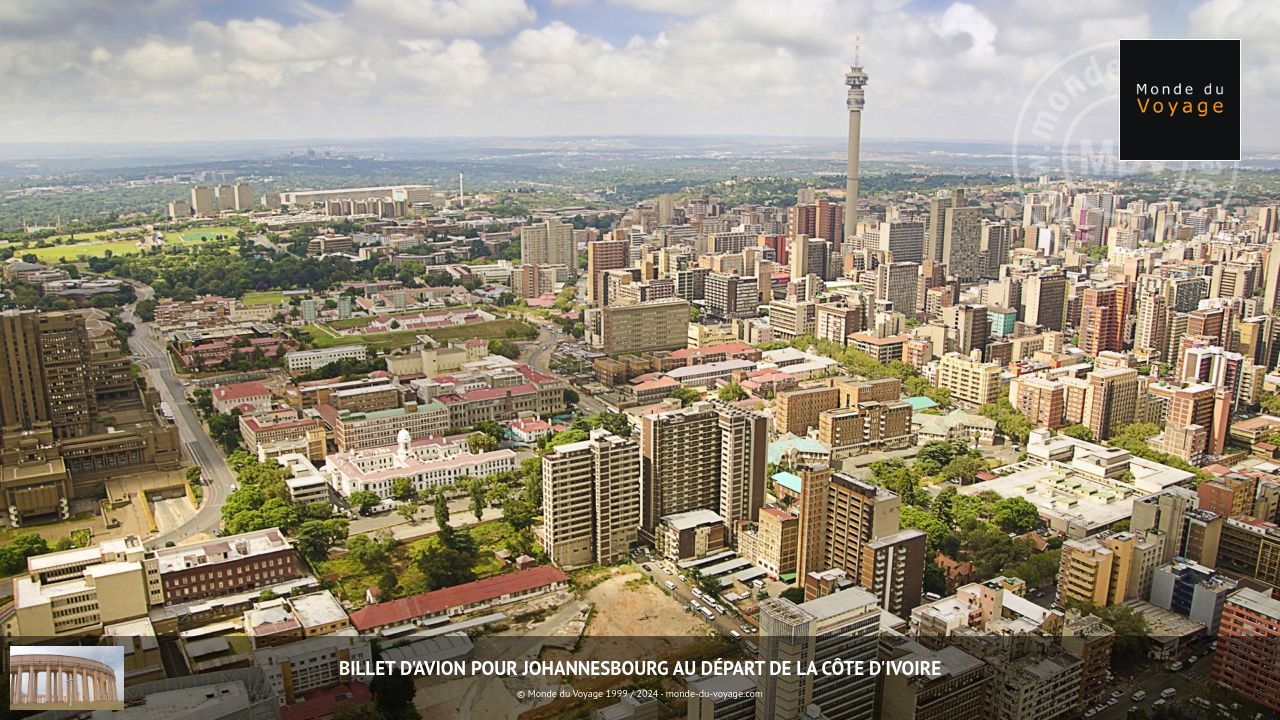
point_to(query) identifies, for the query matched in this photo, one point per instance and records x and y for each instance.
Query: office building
(591, 500)
(730, 296)
(429, 463)
(820, 219)
(44, 364)
(968, 327)
(81, 591)
(1193, 590)
(935, 233)
(299, 361)
(358, 430)
(959, 692)
(531, 281)
(961, 243)
(1044, 298)
(1250, 546)
(895, 574)
(796, 411)
(903, 240)
(841, 626)
(1101, 321)
(898, 282)
(644, 327)
(227, 565)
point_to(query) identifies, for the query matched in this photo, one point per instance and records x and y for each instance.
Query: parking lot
(724, 620)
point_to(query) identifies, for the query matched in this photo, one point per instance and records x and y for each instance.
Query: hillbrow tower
(856, 79)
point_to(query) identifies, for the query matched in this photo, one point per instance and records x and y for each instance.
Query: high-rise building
(644, 327)
(903, 240)
(856, 80)
(936, 231)
(1044, 298)
(604, 255)
(243, 197)
(1245, 660)
(202, 201)
(796, 411)
(548, 243)
(896, 571)
(841, 626)
(730, 296)
(866, 426)
(1040, 400)
(1106, 569)
(44, 371)
(591, 500)
(969, 326)
(1101, 321)
(820, 219)
(959, 692)
(225, 196)
(709, 456)
(1111, 400)
(898, 282)
(995, 247)
(962, 243)
(744, 442)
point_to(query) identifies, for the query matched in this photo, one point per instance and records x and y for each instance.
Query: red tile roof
(321, 703)
(439, 601)
(239, 391)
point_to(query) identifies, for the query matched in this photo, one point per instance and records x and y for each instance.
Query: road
(198, 447)
(539, 358)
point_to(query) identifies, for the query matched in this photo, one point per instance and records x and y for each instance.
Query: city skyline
(434, 68)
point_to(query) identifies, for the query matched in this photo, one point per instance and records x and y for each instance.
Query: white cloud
(446, 18)
(164, 69)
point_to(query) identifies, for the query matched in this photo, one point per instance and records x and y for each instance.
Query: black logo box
(1185, 65)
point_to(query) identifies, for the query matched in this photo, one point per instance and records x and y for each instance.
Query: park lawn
(488, 330)
(269, 297)
(89, 250)
(199, 235)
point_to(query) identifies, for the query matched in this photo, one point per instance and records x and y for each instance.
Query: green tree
(408, 511)
(314, 538)
(518, 513)
(447, 562)
(440, 510)
(1016, 514)
(402, 489)
(504, 347)
(731, 392)
(365, 500)
(1078, 431)
(193, 474)
(481, 443)
(794, 594)
(1270, 403)
(371, 552)
(963, 469)
(490, 428)
(13, 556)
(934, 529)
(686, 395)
(476, 489)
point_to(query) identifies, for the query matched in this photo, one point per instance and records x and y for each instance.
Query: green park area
(352, 577)
(269, 297)
(323, 336)
(55, 253)
(199, 235)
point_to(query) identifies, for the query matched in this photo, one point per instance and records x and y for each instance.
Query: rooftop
(220, 550)
(458, 596)
(691, 519)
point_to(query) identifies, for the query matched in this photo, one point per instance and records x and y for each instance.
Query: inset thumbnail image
(66, 677)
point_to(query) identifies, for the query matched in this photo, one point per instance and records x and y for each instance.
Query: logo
(1180, 99)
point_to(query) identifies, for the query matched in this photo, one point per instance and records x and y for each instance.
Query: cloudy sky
(99, 70)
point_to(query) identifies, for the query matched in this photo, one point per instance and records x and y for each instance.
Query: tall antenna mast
(857, 49)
